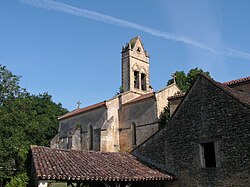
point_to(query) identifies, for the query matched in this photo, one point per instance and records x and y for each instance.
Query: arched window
(90, 137)
(136, 79)
(133, 134)
(143, 82)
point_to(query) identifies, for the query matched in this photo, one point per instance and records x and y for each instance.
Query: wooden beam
(69, 183)
(129, 184)
(116, 184)
(106, 184)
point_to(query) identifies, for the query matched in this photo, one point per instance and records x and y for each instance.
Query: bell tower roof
(135, 44)
(135, 67)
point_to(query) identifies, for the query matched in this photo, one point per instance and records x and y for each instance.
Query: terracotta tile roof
(237, 81)
(59, 164)
(141, 98)
(82, 110)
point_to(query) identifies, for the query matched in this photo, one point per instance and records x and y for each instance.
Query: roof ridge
(242, 97)
(82, 110)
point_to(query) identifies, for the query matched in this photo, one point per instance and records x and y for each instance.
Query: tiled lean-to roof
(82, 110)
(237, 81)
(141, 98)
(59, 164)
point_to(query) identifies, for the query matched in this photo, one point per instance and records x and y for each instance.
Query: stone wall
(144, 115)
(68, 126)
(162, 97)
(207, 114)
(110, 130)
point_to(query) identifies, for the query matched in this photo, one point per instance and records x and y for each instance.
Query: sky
(72, 49)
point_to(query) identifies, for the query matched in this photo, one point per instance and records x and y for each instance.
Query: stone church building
(205, 143)
(124, 121)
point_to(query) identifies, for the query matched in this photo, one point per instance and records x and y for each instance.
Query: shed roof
(59, 164)
(141, 98)
(237, 81)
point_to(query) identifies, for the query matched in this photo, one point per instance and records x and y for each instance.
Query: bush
(20, 180)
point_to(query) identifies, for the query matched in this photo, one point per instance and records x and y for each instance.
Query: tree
(184, 81)
(20, 180)
(9, 84)
(25, 120)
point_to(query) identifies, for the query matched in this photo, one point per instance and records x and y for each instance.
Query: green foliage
(164, 116)
(78, 125)
(30, 120)
(184, 81)
(121, 89)
(20, 180)
(9, 84)
(25, 120)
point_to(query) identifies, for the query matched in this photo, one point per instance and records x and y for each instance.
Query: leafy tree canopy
(184, 81)
(25, 120)
(9, 84)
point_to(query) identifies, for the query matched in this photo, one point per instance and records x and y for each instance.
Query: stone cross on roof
(174, 77)
(78, 104)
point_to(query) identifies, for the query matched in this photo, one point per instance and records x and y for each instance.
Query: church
(124, 121)
(118, 143)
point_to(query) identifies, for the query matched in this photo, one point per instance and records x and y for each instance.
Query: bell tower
(135, 67)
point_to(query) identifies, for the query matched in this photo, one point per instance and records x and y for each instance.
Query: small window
(133, 134)
(90, 137)
(138, 50)
(208, 157)
(136, 79)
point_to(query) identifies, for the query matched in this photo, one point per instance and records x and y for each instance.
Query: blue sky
(72, 49)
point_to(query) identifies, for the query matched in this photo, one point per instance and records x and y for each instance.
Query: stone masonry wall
(207, 114)
(144, 115)
(162, 97)
(95, 117)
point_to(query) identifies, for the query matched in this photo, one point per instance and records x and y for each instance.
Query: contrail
(237, 54)
(61, 7)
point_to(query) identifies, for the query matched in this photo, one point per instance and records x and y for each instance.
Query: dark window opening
(209, 154)
(136, 79)
(90, 136)
(143, 82)
(133, 134)
(138, 49)
(69, 145)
